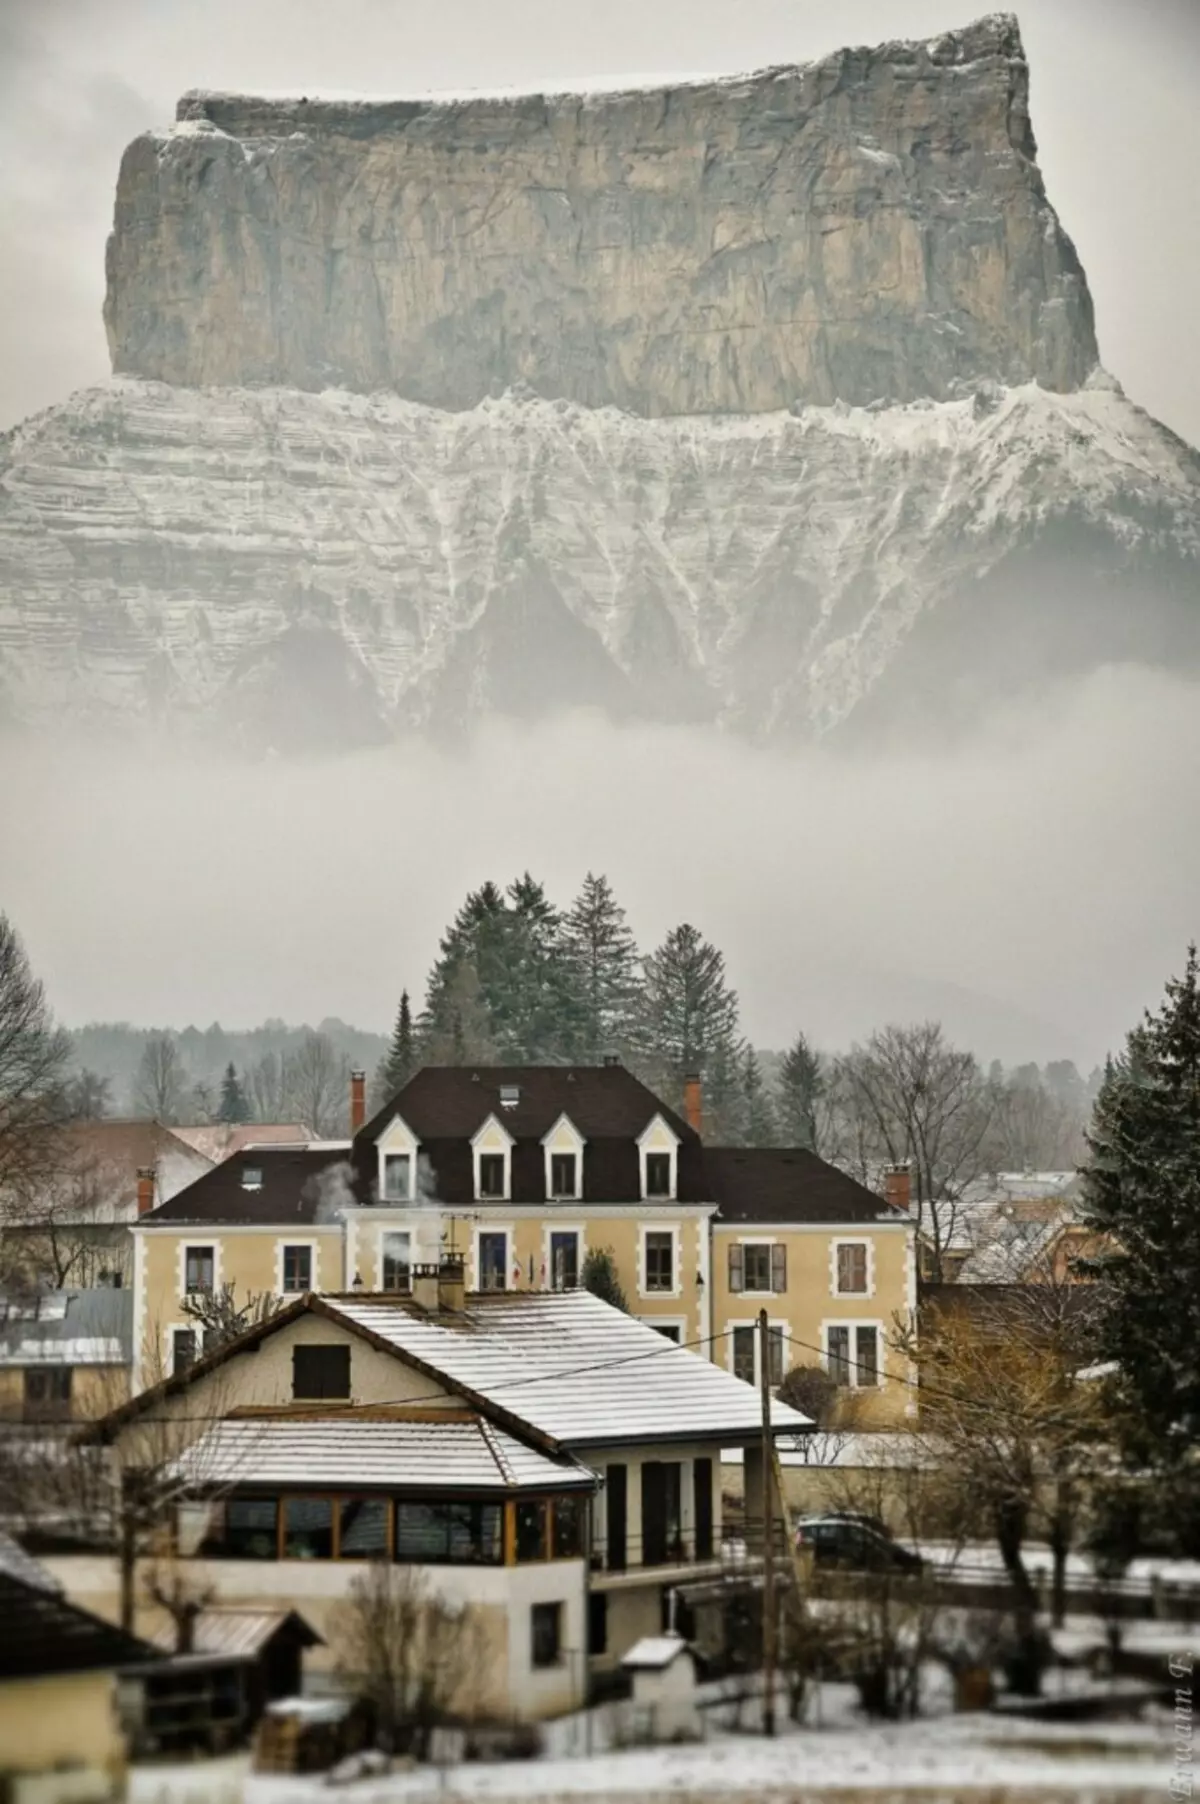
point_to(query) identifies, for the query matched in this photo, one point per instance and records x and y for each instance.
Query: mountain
(772, 402)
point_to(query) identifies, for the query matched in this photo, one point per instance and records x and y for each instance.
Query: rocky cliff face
(297, 570)
(873, 226)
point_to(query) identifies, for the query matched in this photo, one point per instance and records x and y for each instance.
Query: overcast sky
(1116, 108)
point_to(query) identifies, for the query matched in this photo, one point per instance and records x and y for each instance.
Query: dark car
(857, 1542)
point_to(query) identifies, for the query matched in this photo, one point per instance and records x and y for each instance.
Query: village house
(523, 1172)
(537, 1457)
(65, 1358)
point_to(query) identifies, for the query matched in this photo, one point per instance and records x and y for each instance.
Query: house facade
(538, 1459)
(65, 1358)
(522, 1173)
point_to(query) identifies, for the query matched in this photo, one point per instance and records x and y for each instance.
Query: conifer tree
(801, 1086)
(1142, 1190)
(233, 1106)
(599, 1275)
(401, 1059)
(603, 957)
(692, 1025)
(758, 1123)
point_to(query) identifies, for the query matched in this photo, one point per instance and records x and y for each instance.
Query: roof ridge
(502, 1465)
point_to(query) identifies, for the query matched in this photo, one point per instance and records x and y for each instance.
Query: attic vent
(251, 1177)
(610, 1058)
(510, 1095)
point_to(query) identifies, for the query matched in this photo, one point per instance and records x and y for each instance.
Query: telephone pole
(768, 1493)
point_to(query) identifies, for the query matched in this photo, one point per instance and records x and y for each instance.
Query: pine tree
(1142, 1190)
(401, 1061)
(758, 1124)
(599, 1275)
(801, 1086)
(603, 957)
(692, 1025)
(233, 1106)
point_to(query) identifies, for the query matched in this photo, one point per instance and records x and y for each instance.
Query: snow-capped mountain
(298, 568)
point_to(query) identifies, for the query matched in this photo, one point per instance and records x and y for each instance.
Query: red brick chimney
(693, 1106)
(897, 1187)
(358, 1100)
(145, 1189)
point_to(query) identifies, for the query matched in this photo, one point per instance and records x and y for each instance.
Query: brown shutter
(736, 1267)
(778, 1268)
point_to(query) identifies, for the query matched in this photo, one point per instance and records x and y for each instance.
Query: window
(743, 1354)
(397, 1177)
(660, 1260)
(442, 1534)
(662, 1512)
(668, 1330)
(837, 1344)
(851, 1268)
(776, 1362)
(308, 1528)
(241, 1528)
(597, 1622)
(320, 1372)
(47, 1392)
(546, 1622)
(564, 1260)
(867, 1353)
(297, 1268)
(199, 1268)
(658, 1174)
(562, 1174)
(761, 1266)
(183, 1349)
(531, 1530)
(702, 1508)
(569, 1517)
(362, 1529)
(395, 1254)
(493, 1262)
(251, 1177)
(491, 1174)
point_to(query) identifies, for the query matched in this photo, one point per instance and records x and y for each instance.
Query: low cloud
(1033, 890)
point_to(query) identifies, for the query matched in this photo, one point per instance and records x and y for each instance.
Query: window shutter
(778, 1268)
(736, 1268)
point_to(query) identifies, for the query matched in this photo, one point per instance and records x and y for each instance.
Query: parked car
(857, 1542)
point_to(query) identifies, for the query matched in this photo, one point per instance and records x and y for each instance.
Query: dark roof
(450, 1102)
(43, 1633)
(74, 1327)
(290, 1193)
(788, 1184)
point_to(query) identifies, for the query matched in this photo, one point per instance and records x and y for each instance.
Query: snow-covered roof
(226, 1629)
(574, 1368)
(653, 1652)
(68, 1327)
(420, 1451)
(18, 1564)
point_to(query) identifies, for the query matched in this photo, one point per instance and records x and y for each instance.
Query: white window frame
(659, 1322)
(551, 1228)
(387, 1197)
(171, 1329)
(200, 1243)
(852, 1240)
(564, 1138)
(780, 1324)
(854, 1323)
(314, 1264)
(509, 1232)
(397, 1137)
(674, 1229)
(490, 1129)
(391, 1228)
(754, 1241)
(657, 1137)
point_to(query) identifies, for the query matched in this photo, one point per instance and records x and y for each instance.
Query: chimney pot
(897, 1187)
(358, 1100)
(452, 1283)
(145, 1189)
(693, 1102)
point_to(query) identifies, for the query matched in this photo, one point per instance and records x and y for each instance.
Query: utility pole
(768, 1492)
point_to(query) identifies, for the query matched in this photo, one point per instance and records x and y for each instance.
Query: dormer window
(658, 1174)
(563, 1179)
(491, 1175)
(510, 1095)
(397, 1177)
(251, 1177)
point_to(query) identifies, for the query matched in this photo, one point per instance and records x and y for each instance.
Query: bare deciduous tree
(162, 1079)
(909, 1097)
(318, 1084)
(33, 1071)
(415, 1658)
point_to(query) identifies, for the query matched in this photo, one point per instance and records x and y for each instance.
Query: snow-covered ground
(976, 1555)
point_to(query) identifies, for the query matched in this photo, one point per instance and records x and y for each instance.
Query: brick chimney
(358, 1100)
(693, 1106)
(145, 1189)
(897, 1187)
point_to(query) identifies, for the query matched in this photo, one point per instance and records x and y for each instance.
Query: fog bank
(1033, 891)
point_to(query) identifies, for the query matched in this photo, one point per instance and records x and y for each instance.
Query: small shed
(273, 1642)
(663, 1670)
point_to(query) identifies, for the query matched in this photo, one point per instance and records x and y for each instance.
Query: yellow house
(64, 1357)
(538, 1458)
(524, 1172)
